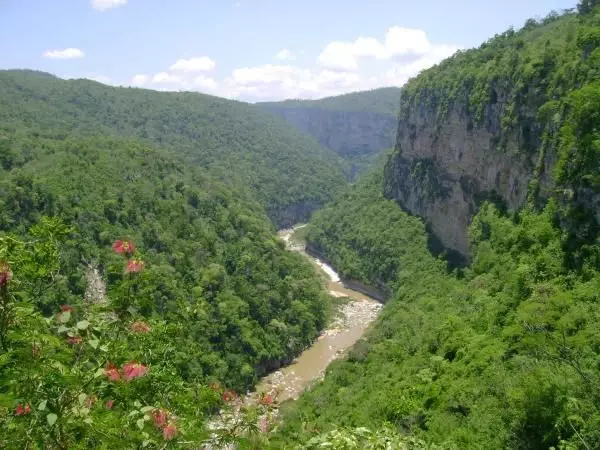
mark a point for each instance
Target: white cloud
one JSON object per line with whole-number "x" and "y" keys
{"x": 166, "y": 78}
{"x": 285, "y": 55}
{"x": 140, "y": 80}
{"x": 206, "y": 84}
{"x": 103, "y": 5}
{"x": 400, "y": 73}
{"x": 274, "y": 82}
{"x": 198, "y": 64}
{"x": 399, "y": 41}
{"x": 67, "y": 53}
{"x": 402, "y": 54}
{"x": 339, "y": 55}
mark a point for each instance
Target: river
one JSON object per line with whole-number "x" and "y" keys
{"x": 353, "y": 319}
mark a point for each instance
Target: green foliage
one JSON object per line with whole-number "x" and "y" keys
{"x": 502, "y": 84}
{"x": 243, "y": 145}
{"x": 503, "y": 357}
{"x": 95, "y": 376}
{"x": 215, "y": 271}
{"x": 348, "y": 232}
{"x": 381, "y": 101}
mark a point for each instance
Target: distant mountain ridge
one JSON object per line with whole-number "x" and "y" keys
{"x": 287, "y": 171}
{"x": 357, "y": 126}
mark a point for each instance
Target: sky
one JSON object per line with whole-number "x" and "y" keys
{"x": 251, "y": 50}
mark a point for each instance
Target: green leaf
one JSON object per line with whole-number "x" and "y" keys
{"x": 83, "y": 325}
{"x": 81, "y": 398}
{"x": 51, "y": 419}
{"x": 42, "y": 405}
{"x": 94, "y": 343}
{"x": 99, "y": 373}
{"x": 62, "y": 329}
{"x": 89, "y": 421}
{"x": 104, "y": 348}
{"x": 146, "y": 409}
{"x": 140, "y": 423}
{"x": 63, "y": 317}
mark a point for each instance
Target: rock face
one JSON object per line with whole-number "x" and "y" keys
{"x": 350, "y": 134}
{"x": 356, "y": 126}
{"x": 443, "y": 170}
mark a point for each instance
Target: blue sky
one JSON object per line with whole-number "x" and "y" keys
{"x": 250, "y": 49}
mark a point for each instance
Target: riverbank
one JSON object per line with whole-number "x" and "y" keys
{"x": 349, "y": 323}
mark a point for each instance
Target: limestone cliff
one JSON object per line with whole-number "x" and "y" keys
{"x": 444, "y": 172}
{"x": 500, "y": 123}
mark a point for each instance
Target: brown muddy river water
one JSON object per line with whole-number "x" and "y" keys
{"x": 353, "y": 319}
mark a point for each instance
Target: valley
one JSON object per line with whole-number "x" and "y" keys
{"x": 410, "y": 267}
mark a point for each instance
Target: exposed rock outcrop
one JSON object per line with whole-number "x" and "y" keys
{"x": 443, "y": 170}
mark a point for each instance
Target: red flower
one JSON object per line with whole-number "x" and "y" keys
{"x": 124, "y": 247}
{"x": 160, "y": 417}
{"x": 112, "y": 373}
{"x": 140, "y": 327}
{"x": 133, "y": 370}
{"x": 229, "y": 396}
{"x": 109, "y": 404}
{"x": 74, "y": 340}
{"x": 134, "y": 266}
{"x": 67, "y": 308}
{"x": 22, "y": 410}
{"x": 5, "y": 273}
{"x": 265, "y": 400}
{"x": 169, "y": 432}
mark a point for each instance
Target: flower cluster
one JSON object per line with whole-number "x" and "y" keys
{"x": 133, "y": 370}
{"x": 22, "y": 410}
{"x": 127, "y": 249}
{"x": 229, "y": 396}
{"x": 265, "y": 400}
{"x": 128, "y": 372}
{"x": 164, "y": 420}
{"x": 140, "y": 327}
{"x": 124, "y": 247}
{"x": 74, "y": 340}
{"x": 5, "y": 273}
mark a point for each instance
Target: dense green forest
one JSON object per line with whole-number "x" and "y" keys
{"x": 220, "y": 299}
{"x": 142, "y": 288}
{"x": 241, "y": 144}
{"x": 504, "y": 353}
{"x": 381, "y": 101}
{"x": 344, "y": 232}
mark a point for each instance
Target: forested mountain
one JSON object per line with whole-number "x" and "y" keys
{"x": 134, "y": 245}
{"x": 206, "y": 296}
{"x": 504, "y": 352}
{"x": 142, "y": 287}
{"x": 499, "y": 123}
{"x": 238, "y": 142}
{"x": 357, "y": 126}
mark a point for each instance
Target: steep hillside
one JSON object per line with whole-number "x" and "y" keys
{"x": 491, "y": 124}
{"x": 503, "y": 353}
{"x": 357, "y": 126}
{"x": 206, "y": 297}
{"x": 243, "y": 145}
